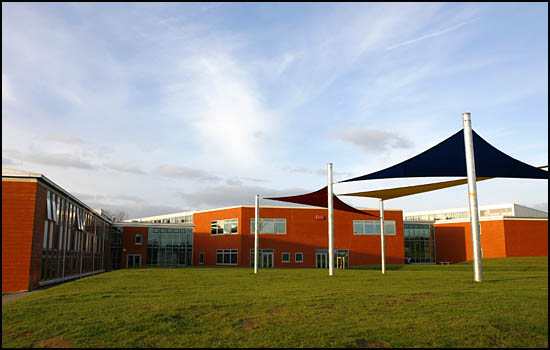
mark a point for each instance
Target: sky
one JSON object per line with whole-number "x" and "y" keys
{"x": 160, "y": 108}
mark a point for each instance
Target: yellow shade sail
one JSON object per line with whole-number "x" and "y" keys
{"x": 409, "y": 190}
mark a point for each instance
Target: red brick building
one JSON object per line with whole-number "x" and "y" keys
{"x": 49, "y": 236}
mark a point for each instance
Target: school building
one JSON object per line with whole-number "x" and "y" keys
{"x": 50, "y": 236}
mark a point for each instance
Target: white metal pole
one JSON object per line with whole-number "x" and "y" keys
{"x": 382, "y": 238}
{"x": 330, "y": 223}
{"x": 472, "y": 196}
{"x": 256, "y": 226}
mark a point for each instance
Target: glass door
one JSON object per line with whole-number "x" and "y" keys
{"x": 267, "y": 259}
{"x": 133, "y": 260}
{"x": 322, "y": 260}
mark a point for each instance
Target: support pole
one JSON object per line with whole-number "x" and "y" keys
{"x": 472, "y": 195}
{"x": 330, "y": 223}
{"x": 256, "y": 227}
{"x": 382, "y": 237}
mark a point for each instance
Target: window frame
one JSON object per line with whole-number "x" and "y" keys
{"x": 368, "y": 226}
{"x": 227, "y": 252}
{"x": 140, "y": 235}
{"x": 283, "y": 259}
{"x": 296, "y": 260}
{"x": 221, "y": 224}
{"x": 273, "y": 221}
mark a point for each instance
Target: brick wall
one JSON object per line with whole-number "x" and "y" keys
{"x": 526, "y": 237}
{"x": 499, "y": 238}
{"x": 304, "y": 234}
{"x": 18, "y": 219}
{"x": 129, "y": 243}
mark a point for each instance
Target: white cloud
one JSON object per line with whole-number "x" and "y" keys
{"x": 7, "y": 92}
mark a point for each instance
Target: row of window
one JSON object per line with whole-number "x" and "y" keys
{"x": 278, "y": 227}
{"x": 73, "y": 239}
{"x": 269, "y": 226}
{"x": 231, "y": 257}
{"x": 372, "y": 227}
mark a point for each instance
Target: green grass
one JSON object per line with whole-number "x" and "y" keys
{"x": 412, "y": 306}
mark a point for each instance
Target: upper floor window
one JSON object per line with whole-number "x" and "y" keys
{"x": 269, "y": 226}
{"x": 372, "y": 227}
{"x": 139, "y": 238}
{"x": 224, "y": 227}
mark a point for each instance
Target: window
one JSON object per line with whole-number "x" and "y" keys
{"x": 224, "y": 227}
{"x": 227, "y": 256}
{"x": 139, "y": 238}
{"x": 269, "y": 226}
{"x": 372, "y": 227}
{"x": 49, "y": 206}
{"x": 299, "y": 257}
{"x": 201, "y": 258}
{"x": 285, "y": 258}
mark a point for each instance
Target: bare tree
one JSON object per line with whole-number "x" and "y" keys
{"x": 120, "y": 215}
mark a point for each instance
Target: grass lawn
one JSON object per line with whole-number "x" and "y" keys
{"x": 412, "y": 306}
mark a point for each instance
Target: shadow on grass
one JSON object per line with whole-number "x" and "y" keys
{"x": 377, "y": 267}
{"x": 510, "y": 279}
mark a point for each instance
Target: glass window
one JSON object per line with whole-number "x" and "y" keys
{"x": 269, "y": 226}
{"x": 286, "y": 258}
{"x": 299, "y": 257}
{"x": 227, "y": 256}
{"x": 49, "y": 206}
{"x": 201, "y": 258}
{"x": 139, "y": 238}
{"x": 224, "y": 227}
{"x": 358, "y": 228}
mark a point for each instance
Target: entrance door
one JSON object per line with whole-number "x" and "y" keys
{"x": 322, "y": 257}
{"x": 322, "y": 260}
{"x": 133, "y": 260}
{"x": 267, "y": 259}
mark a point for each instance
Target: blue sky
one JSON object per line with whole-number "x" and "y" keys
{"x": 158, "y": 108}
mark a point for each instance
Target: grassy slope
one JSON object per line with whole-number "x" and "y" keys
{"x": 412, "y": 306}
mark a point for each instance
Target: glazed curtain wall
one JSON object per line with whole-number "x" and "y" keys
{"x": 73, "y": 242}
{"x": 167, "y": 246}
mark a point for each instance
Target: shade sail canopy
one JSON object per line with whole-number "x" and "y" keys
{"x": 397, "y": 192}
{"x": 319, "y": 198}
{"x": 448, "y": 159}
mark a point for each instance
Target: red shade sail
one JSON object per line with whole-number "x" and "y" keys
{"x": 319, "y": 198}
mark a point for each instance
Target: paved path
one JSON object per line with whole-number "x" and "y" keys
{"x": 13, "y": 296}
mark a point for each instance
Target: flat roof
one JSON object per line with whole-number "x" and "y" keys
{"x": 17, "y": 173}
{"x": 186, "y": 213}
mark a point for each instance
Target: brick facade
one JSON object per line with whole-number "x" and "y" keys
{"x": 18, "y": 201}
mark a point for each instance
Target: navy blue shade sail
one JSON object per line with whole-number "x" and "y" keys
{"x": 448, "y": 159}
{"x": 319, "y": 198}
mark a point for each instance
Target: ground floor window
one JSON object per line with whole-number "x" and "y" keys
{"x": 285, "y": 258}
{"x": 201, "y": 258}
{"x": 227, "y": 256}
{"x": 299, "y": 257}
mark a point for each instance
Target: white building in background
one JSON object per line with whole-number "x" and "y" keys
{"x": 508, "y": 210}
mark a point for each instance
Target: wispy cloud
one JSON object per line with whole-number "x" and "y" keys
{"x": 427, "y": 36}
{"x": 8, "y": 161}
{"x": 220, "y": 196}
{"x": 63, "y": 160}
{"x": 373, "y": 141}
{"x": 185, "y": 173}
{"x": 125, "y": 168}
{"x": 7, "y": 91}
